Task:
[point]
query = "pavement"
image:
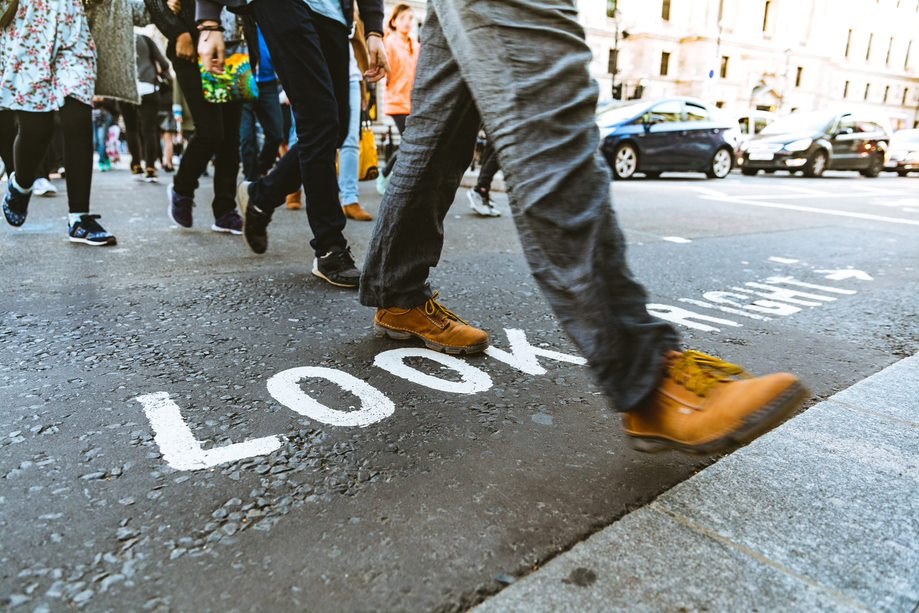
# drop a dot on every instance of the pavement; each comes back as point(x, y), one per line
point(189, 426)
point(821, 514)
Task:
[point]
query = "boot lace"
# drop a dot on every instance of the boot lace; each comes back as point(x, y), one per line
point(432, 307)
point(699, 372)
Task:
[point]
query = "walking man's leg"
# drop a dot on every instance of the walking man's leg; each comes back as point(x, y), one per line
point(542, 126)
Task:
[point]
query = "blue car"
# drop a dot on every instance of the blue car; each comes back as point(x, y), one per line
point(671, 134)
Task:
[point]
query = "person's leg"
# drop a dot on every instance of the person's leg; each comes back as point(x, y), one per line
point(435, 152)
point(305, 49)
point(7, 136)
point(248, 141)
point(391, 162)
point(30, 146)
point(77, 124)
point(268, 109)
point(133, 137)
point(149, 127)
point(209, 129)
point(488, 170)
point(226, 163)
point(349, 160)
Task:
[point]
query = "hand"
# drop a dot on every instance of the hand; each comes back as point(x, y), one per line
point(379, 65)
point(174, 5)
point(212, 50)
point(185, 47)
point(283, 99)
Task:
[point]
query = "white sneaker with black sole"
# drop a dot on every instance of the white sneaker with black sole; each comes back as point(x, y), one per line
point(481, 205)
point(337, 267)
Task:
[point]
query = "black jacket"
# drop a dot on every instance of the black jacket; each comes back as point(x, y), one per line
point(371, 11)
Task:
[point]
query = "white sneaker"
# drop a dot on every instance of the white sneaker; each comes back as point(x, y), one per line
point(382, 183)
point(481, 205)
point(43, 187)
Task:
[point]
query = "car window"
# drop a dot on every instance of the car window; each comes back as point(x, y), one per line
point(760, 123)
point(847, 125)
point(694, 112)
point(744, 123)
point(669, 111)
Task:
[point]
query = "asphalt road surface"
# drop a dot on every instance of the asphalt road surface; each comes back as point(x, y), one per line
point(189, 426)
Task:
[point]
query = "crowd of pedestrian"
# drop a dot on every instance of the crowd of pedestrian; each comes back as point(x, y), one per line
point(508, 68)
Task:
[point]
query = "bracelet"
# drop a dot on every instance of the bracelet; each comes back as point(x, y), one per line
point(370, 34)
point(202, 28)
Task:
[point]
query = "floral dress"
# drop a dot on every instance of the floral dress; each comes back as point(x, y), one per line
point(46, 55)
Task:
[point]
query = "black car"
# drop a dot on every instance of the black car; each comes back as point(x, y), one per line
point(673, 134)
point(818, 141)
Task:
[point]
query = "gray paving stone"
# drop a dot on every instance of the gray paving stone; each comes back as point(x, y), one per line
point(831, 495)
point(893, 391)
point(649, 562)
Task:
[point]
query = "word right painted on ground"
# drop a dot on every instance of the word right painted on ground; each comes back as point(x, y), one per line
point(761, 300)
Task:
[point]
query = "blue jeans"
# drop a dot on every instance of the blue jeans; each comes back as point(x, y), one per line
point(349, 160)
point(101, 139)
point(267, 111)
point(519, 68)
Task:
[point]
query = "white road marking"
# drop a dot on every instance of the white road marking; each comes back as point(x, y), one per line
point(810, 209)
point(285, 388)
point(685, 317)
point(180, 448)
point(522, 355)
point(784, 260)
point(846, 273)
point(676, 239)
point(473, 380)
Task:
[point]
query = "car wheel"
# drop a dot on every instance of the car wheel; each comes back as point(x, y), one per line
point(902, 173)
point(816, 165)
point(721, 164)
point(625, 161)
point(877, 165)
point(770, 171)
point(748, 172)
point(652, 175)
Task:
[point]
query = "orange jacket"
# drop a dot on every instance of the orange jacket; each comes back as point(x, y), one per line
point(403, 58)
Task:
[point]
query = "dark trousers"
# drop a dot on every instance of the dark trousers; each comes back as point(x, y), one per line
point(310, 54)
point(216, 136)
point(537, 102)
point(35, 133)
point(489, 168)
point(391, 162)
point(141, 121)
point(7, 136)
point(267, 111)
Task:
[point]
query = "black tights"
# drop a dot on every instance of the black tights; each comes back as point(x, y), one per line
point(35, 132)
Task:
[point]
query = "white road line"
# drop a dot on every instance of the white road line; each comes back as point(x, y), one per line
point(808, 209)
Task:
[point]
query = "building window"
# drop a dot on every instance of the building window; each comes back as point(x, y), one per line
point(886, 93)
point(613, 66)
point(868, 50)
point(725, 60)
point(611, 7)
point(665, 63)
point(799, 74)
point(848, 43)
point(889, 51)
point(767, 8)
point(845, 90)
point(867, 90)
point(665, 10)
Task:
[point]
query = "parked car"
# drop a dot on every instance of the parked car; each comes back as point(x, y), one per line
point(818, 141)
point(903, 157)
point(673, 134)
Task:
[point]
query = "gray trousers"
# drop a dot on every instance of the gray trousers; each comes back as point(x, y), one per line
point(520, 68)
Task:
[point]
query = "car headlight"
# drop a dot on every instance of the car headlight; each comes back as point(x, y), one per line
point(799, 145)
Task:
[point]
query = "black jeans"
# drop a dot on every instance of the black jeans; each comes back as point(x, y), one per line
point(391, 162)
point(216, 136)
point(31, 147)
point(267, 111)
point(142, 125)
point(7, 136)
point(310, 54)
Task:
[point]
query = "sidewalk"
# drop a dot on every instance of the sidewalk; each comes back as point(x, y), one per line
point(820, 514)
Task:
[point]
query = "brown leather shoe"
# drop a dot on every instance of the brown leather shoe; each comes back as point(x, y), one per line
point(433, 323)
point(293, 201)
point(356, 212)
point(706, 405)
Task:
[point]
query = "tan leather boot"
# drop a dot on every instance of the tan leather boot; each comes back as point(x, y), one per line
point(706, 405)
point(356, 212)
point(293, 201)
point(438, 327)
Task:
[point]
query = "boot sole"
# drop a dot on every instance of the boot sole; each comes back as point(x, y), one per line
point(335, 283)
point(399, 335)
point(767, 418)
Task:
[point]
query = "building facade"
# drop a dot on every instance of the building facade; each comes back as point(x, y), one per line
point(777, 55)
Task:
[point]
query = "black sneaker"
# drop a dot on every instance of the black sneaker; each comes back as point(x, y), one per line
point(150, 176)
point(255, 220)
point(88, 231)
point(137, 173)
point(229, 223)
point(180, 207)
point(15, 204)
point(337, 267)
